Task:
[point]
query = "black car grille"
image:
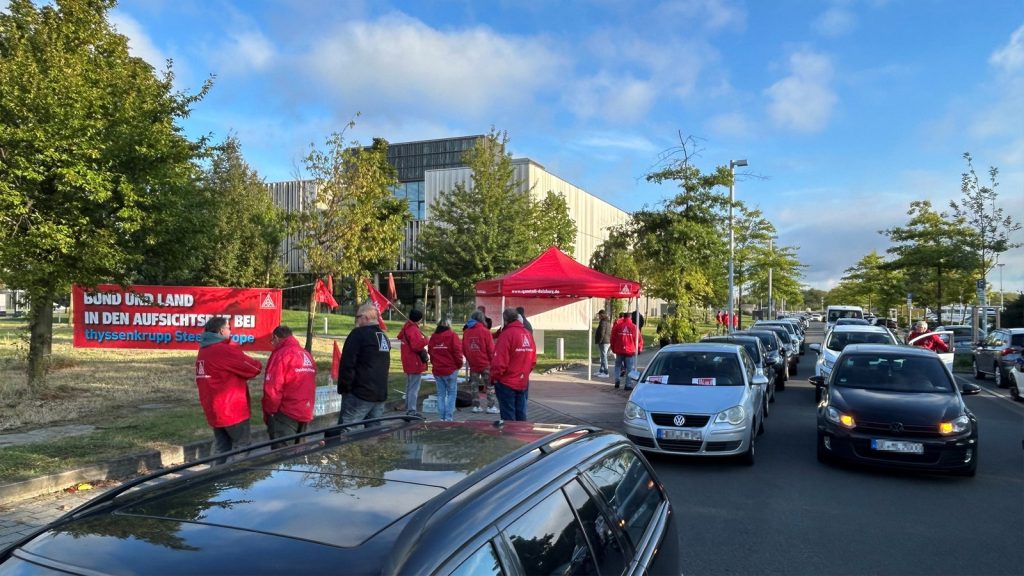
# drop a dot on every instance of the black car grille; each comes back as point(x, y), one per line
point(641, 441)
point(723, 446)
point(680, 445)
point(909, 431)
point(692, 420)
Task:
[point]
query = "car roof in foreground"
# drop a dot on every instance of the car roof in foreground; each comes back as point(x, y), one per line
point(701, 347)
point(304, 508)
point(889, 350)
point(859, 328)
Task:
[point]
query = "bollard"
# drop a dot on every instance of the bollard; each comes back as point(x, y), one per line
point(560, 348)
point(325, 324)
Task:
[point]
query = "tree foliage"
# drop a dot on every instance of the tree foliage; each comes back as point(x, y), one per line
point(492, 226)
point(89, 145)
point(977, 209)
point(870, 283)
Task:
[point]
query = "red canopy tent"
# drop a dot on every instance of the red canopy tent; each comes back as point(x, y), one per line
point(553, 274)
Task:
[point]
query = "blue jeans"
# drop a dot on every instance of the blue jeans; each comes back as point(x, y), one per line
point(604, 358)
point(447, 386)
point(511, 403)
point(354, 409)
point(624, 363)
point(412, 391)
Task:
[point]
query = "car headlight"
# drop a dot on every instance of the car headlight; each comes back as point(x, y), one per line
point(634, 412)
point(826, 362)
point(956, 426)
point(734, 415)
point(836, 417)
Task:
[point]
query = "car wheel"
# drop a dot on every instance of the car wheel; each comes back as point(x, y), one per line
point(748, 456)
point(997, 375)
point(1014, 390)
point(760, 429)
point(823, 455)
point(765, 409)
point(817, 394)
point(977, 373)
point(793, 370)
point(774, 388)
point(780, 384)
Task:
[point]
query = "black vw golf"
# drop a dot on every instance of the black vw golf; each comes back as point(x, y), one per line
point(895, 406)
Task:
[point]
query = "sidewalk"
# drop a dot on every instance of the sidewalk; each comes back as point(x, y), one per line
point(564, 397)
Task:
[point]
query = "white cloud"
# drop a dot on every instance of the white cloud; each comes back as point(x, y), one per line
point(709, 14)
point(246, 51)
point(139, 43)
point(610, 98)
point(1010, 57)
point(803, 101)
point(616, 140)
point(835, 22)
point(400, 61)
point(731, 124)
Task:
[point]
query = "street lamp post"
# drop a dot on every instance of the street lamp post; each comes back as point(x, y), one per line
point(771, 304)
point(999, 316)
point(732, 247)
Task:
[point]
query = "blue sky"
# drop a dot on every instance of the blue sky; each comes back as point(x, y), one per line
point(846, 110)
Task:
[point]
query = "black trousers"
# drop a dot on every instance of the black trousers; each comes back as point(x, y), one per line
point(279, 426)
point(231, 437)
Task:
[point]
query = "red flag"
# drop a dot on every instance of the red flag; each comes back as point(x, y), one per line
point(380, 302)
point(323, 294)
point(330, 283)
point(392, 293)
point(336, 362)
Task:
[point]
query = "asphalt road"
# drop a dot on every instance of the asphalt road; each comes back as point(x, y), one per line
point(790, 514)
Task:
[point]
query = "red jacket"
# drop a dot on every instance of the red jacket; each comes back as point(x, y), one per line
point(933, 342)
point(515, 355)
point(445, 352)
point(478, 345)
point(221, 372)
point(413, 342)
point(289, 384)
point(624, 339)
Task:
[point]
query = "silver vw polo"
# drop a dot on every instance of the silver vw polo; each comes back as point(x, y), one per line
point(697, 399)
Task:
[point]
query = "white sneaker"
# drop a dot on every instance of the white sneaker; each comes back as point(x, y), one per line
point(476, 409)
point(493, 410)
point(601, 375)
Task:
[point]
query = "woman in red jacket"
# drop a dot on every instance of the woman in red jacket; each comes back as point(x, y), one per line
point(221, 373)
point(446, 358)
point(515, 355)
point(414, 359)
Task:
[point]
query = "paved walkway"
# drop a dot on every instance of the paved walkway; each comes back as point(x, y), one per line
point(558, 398)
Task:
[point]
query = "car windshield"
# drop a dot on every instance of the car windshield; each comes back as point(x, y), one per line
point(834, 315)
point(960, 331)
point(892, 372)
point(854, 321)
point(769, 341)
point(696, 369)
point(839, 340)
point(749, 345)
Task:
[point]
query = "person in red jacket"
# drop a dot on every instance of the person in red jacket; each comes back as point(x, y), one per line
point(626, 343)
point(289, 387)
point(221, 373)
point(515, 355)
point(414, 359)
point(933, 342)
point(478, 346)
point(446, 359)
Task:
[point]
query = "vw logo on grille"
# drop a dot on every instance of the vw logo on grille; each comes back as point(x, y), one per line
point(679, 420)
point(896, 426)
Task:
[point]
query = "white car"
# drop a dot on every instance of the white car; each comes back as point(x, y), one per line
point(1017, 380)
point(840, 337)
point(701, 399)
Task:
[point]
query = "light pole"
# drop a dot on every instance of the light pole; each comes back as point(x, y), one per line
point(999, 316)
point(732, 248)
point(771, 307)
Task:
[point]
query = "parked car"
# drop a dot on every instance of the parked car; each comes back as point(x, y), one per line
point(839, 338)
point(997, 354)
point(697, 399)
point(1017, 380)
point(815, 317)
point(407, 497)
point(795, 334)
point(789, 342)
point(895, 406)
point(755, 349)
point(778, 357)
point(962, 341)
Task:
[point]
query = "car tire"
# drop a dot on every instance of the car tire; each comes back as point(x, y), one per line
point(765, 409)
point(823, 455)
point(817, 394)
point(978, 374)
point(1014, 390)
point(794, 370)
point(997, 375)
point(760, 428)
point(775, 388)
point(748, 456)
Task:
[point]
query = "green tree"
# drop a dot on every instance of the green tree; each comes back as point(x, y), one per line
point(492, 226)
point(934, 251)
point(871, 283)
point(350, 223)
point(89, 144)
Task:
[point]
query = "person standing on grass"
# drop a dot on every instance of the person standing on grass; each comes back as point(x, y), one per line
point(602, 337)
point(363, 374)
point(222, 370)
point(515, 355)
point(478, 346)
point(289, 387)
point(446, 359)
point(414, 359)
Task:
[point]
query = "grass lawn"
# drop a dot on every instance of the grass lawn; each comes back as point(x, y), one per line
point(145, 399)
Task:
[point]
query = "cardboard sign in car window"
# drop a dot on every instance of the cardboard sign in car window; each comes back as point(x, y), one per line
point(659, 379)
point(703, 382)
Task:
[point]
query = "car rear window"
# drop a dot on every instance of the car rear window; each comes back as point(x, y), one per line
point(749, 345)
point(893, 373)
point(839, 340)
point(696, 369)
point(1017, 340)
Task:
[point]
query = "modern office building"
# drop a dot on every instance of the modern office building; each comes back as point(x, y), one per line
point(428, 169)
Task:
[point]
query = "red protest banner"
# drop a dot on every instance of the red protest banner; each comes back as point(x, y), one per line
point(171, 317)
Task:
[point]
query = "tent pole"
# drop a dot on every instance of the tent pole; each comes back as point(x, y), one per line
point(590, 338)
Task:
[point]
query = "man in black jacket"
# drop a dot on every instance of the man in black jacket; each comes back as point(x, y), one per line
point(363, 375)
point(603, 339)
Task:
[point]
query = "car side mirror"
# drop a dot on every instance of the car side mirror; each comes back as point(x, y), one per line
point(968, 389)
point(818, 381)
point(760, 379)
point(634, 376)
point(815, 347)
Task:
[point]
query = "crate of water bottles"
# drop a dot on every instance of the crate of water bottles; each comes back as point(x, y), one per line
point(327, 400)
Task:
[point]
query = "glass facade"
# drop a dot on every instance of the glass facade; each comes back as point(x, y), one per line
point(412, 192)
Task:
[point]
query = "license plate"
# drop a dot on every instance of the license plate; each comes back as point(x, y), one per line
point(898, 446)
point(679, 434)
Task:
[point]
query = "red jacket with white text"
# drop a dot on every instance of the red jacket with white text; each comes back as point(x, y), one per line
point(478, 345)
point(515, 355)
point(445, 352)
point(413, 341)
point(289, 385)
point(624, 339)
point(221, 373)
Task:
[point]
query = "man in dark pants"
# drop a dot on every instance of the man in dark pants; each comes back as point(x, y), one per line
point(289, 387)
point(603, 339)
point(221, 373)
point(363, 375)
point(514, 358)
